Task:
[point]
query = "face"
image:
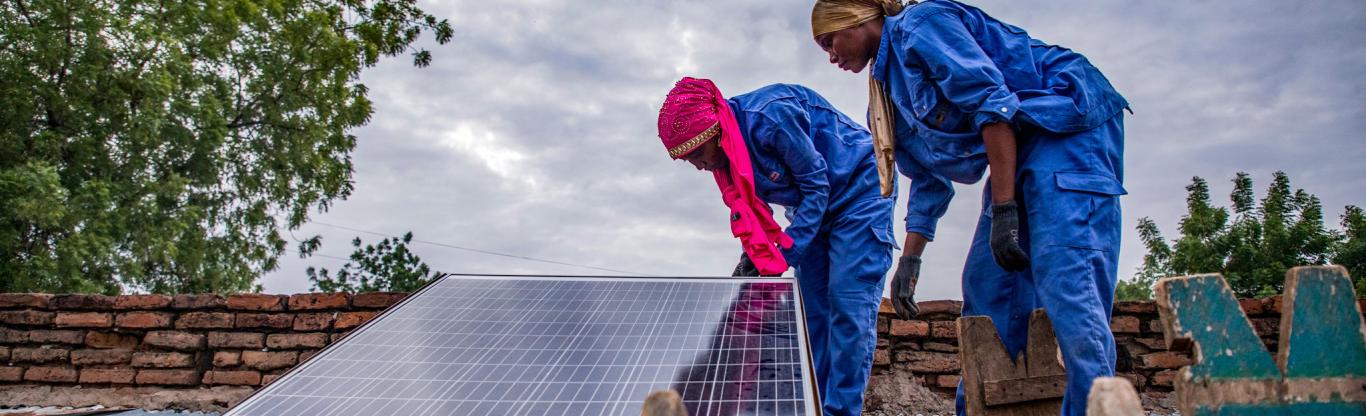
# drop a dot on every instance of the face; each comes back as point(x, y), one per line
point(852, 48)
point(708, 156)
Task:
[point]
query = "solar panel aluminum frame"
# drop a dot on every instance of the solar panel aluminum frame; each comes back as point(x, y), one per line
point(812, 406)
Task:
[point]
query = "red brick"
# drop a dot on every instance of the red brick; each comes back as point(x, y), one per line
point(97, 339)
point(24, 300)
point(1152, 343)
point(12, 336)
point(942, 308)
point(348, 320)
point(1251, 306)
point(204, 301)
point(947, 381)
point(1155, 326)
point(51, 374)
point(337, 336)
point(10, 374)
point(376, 299)
point(941, 347)
point(204, 320)
point(1272, 304)
point(296, 341)
point(26, 317)
point(236, 340)
point(227, 358)
point(1135, 307)
point(174, 340)
point(107, 376)
point(143, 320)
point(46, 336)
point(305, 355)
point(39, 355)
point(1125, 324)
point(1165, 359)
point(266, 379)
point(882, 357)
point(264, 320)
point(151, 302)
point(81, 302)
point(1266, 327)
point(944, 329)
point(902, 328)
point(313, 321)
point(315, 301)
point(4, 354)
point(149, 359)
point(100, 357)
point(232, 378)
point(256, 302)
point(1164, 378)
point(883, 325)
point(269, 360)
point(168, 377)
point(926, 361)
point(84, 320)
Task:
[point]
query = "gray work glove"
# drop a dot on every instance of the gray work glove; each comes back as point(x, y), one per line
point(1005, 237)
point(903, 287)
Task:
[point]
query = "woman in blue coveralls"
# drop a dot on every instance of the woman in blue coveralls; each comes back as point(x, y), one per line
point(816, 162)
point(961, 91)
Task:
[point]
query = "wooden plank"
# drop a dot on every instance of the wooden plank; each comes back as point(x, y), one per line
point(985, 361)
point(1020, 390)
point(1042, 354)
point(1321, 326)
point(1320, 367)
point(1113, 396)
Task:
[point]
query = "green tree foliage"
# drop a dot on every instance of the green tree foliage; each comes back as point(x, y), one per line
point(162, 145)
point(388, 266)
point(1253, 243)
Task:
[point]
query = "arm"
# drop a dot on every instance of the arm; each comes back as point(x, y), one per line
point(785, 127)
point(1000, 144)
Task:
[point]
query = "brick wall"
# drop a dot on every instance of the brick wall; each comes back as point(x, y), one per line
point(167, 342)
point(927, 348)
point(192, 343)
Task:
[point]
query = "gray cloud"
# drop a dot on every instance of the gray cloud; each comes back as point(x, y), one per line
point(533, 131)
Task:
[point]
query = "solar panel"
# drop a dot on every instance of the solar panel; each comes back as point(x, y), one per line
point(538, 345)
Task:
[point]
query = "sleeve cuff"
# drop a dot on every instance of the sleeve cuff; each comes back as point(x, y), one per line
point(1001, 106)
point(922, 225)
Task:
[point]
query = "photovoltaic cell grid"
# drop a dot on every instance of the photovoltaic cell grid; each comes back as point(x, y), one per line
point(514, 345)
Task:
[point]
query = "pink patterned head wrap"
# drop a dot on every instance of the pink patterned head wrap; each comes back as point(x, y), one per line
point(691, 116)
point(695, 112)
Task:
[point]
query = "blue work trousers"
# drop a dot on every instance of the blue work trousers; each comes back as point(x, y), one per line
point(1069, 192)
point(841, 276)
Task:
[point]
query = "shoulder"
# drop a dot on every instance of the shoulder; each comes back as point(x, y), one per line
point(773, 98)
point(927, 11)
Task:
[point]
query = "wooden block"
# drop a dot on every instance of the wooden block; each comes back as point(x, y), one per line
point(1320, 366)
point(664, 403)
point(1113, 396)
point(996, 384)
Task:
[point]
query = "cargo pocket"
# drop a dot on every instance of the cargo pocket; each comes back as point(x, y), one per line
point(1078, 209)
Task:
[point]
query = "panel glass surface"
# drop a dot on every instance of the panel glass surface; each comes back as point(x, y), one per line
point(481, 345)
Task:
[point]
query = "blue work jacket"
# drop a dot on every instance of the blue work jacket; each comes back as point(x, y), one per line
point(949, 69)
point(807, 156)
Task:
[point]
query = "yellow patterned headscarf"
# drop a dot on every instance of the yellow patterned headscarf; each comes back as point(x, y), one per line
point(834, 15)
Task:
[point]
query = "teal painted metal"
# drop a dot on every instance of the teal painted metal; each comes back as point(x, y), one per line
point(1226, 345)
point(1300, 409)
point(1324, 338)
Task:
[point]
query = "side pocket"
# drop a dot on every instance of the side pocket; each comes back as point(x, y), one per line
point(1077, 209)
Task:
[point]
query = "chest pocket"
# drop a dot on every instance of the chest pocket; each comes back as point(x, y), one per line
point(930, 107)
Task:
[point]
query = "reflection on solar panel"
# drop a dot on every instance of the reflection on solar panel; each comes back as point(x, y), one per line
point(516, 345)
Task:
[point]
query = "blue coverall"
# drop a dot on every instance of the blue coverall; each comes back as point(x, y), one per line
point(818, 163)
point(950, 69)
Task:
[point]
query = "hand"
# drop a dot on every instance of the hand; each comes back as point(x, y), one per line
point(1005, 237)
point(903, 287)
point(745, 268)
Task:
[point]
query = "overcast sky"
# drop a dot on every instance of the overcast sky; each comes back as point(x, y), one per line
point(533, 132)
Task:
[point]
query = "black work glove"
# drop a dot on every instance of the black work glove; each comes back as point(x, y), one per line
point(1005, 237)
point(903, 287)
point(745, 268)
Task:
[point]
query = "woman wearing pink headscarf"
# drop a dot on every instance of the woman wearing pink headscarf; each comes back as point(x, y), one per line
point(786, 145)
